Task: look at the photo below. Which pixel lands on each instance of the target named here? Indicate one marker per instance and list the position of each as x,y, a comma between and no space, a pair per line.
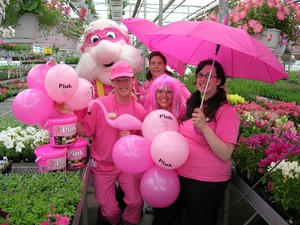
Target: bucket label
64,134
76,157
57,164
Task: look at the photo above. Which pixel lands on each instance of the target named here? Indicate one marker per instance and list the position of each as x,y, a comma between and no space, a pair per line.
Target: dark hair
210,106
152,54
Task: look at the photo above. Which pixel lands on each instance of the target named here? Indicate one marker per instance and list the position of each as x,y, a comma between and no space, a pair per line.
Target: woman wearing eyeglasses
212,134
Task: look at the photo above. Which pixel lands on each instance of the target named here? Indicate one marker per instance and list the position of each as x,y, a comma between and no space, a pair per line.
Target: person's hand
123,133
199,119
62,108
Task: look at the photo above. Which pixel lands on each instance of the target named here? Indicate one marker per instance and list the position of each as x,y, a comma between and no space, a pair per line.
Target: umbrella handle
208,79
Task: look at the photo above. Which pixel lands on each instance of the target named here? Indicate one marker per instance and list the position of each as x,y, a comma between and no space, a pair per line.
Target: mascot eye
94,38
111,34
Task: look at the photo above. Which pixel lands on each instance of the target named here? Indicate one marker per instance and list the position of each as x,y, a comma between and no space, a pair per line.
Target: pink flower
245,27
252,22
257,28
243,14
236,18
213,17
280,15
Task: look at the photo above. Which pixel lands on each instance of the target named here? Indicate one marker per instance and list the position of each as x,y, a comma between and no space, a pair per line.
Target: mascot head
105,43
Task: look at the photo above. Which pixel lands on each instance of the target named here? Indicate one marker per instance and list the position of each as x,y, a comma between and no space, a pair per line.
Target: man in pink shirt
105,173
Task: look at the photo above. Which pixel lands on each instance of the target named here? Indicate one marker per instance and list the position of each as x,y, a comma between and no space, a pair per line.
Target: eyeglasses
161,91
122,79
200,75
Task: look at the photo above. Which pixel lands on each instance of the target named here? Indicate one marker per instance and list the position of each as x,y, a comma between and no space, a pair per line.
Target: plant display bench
257,206
82,207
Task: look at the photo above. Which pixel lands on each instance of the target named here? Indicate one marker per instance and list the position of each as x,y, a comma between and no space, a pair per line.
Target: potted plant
19,141
256,17
51,16
47,16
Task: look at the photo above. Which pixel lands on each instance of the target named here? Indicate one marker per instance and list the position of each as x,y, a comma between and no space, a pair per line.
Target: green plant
15,9
256,16
54,14
28,198
19,140
284,184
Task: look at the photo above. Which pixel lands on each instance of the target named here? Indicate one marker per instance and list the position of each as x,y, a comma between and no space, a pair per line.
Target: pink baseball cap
121,69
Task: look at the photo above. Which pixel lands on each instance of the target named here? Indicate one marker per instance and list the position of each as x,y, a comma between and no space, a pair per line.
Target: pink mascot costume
105,43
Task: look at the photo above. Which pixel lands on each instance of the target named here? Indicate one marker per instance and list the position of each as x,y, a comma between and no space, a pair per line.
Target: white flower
7,32
289,169
18,138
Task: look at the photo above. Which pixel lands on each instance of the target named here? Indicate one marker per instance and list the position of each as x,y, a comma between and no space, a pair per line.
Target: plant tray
24,168
6,169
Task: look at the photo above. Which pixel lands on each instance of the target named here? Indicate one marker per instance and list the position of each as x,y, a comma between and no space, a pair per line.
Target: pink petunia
257,28
280,15
245,27
236,18
271,4
252,22
243,14
286,10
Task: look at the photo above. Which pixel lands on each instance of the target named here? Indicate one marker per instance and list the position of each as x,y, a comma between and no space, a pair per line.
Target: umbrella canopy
140,27
241,55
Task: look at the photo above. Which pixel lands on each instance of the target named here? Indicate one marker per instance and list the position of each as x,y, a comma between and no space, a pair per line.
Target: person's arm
222,149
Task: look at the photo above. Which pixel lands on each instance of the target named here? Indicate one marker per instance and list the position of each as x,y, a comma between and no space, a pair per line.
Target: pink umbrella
140,27
122,122
240,55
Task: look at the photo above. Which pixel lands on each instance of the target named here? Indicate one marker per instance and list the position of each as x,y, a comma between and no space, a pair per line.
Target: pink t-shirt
202,163
145,89
105,136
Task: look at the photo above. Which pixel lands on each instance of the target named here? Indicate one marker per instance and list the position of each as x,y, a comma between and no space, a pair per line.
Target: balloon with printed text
157,121
61,82
83,95
169,150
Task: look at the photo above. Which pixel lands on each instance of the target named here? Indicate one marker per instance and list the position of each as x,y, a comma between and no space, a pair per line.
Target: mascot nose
107,52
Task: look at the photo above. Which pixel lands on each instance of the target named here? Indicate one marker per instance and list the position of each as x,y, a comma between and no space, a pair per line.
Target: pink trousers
104,178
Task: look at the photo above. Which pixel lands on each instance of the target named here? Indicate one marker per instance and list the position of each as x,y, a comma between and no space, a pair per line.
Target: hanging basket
65,43
26,30
280,50
286,57
45,38
269,38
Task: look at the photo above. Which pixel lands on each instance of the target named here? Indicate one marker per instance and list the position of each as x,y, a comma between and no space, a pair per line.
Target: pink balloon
159,187
32,106
82,96
131,154
61,82
169,150
53,113
158,121
36,77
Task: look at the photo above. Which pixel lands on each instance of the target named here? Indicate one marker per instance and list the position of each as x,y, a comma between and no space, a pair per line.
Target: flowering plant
51,15
20,140
255,16
268,132
284,180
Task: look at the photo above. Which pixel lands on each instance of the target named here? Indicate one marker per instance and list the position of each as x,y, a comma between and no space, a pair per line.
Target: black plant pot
15,159
29,158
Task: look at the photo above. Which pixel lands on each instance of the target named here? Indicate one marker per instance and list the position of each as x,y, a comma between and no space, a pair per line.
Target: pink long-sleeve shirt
202,163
